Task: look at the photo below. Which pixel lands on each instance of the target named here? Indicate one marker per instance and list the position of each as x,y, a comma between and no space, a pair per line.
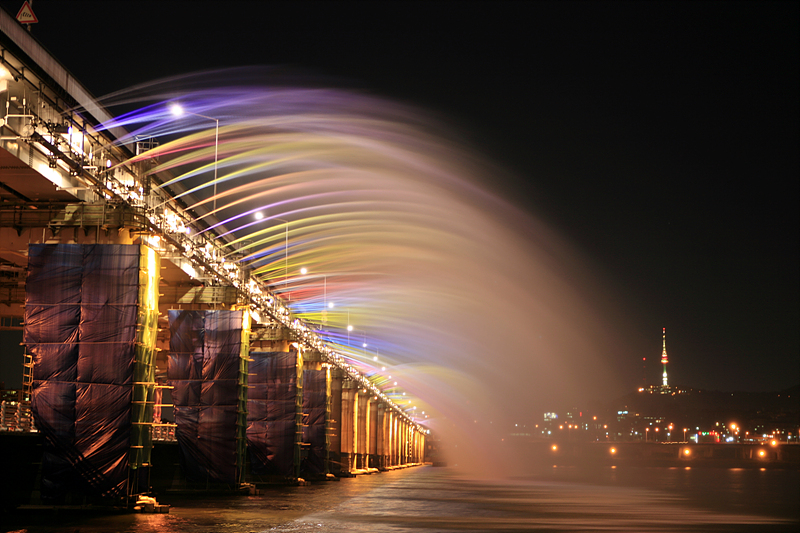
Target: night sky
661,139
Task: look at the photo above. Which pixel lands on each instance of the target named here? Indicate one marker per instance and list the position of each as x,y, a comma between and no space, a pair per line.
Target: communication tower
664,359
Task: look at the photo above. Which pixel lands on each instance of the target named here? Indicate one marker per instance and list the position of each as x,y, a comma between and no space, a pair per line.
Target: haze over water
429,499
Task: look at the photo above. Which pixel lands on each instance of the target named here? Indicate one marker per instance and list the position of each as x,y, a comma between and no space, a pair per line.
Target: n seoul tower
664,359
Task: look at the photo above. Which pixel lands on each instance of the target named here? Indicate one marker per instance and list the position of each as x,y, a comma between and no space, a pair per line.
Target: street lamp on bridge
177,110
325,303
258,216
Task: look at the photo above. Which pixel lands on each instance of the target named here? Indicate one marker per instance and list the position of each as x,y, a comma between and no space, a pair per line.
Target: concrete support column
316,416
403,442
412,444
395,460
335,434
407,443
274,406
398,440
362,429
382,436
348,425
389,438
298,416
93,367
372,457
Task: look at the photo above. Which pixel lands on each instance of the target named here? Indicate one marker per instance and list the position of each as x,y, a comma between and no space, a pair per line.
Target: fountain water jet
481,311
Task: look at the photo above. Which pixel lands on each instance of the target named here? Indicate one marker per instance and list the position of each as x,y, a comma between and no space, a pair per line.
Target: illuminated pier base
274,415
394,452
315,456
382,436
362,430
90,322
208,370
335,453
348,425
372,438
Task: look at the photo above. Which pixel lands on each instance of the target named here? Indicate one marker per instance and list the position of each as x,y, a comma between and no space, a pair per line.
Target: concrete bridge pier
382,443
374,433
394,451
362,429
208,370
90,328
335,452
316,445
348,425
404,433
420,447
275,405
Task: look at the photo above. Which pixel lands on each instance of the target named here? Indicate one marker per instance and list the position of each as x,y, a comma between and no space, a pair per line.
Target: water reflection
435,499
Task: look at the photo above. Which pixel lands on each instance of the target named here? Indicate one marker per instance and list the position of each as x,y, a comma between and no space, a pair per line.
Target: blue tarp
203,369
272,413
80,328
315,408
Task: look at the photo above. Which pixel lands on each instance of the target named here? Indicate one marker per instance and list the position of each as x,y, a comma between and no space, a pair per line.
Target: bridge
151,324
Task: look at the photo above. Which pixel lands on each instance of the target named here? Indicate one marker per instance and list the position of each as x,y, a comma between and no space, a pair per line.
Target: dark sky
661,138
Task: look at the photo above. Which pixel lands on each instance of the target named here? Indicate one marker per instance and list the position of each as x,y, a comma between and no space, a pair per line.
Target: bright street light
259,216
325,303
177,110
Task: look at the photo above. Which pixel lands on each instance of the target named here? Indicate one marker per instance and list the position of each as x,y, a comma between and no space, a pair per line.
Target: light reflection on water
436,499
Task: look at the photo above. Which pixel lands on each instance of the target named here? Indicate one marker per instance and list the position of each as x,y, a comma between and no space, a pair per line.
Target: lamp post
325,304
258,216
178,111
285,255
349,327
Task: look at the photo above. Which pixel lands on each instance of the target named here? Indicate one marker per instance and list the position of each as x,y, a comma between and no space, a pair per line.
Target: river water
428,499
